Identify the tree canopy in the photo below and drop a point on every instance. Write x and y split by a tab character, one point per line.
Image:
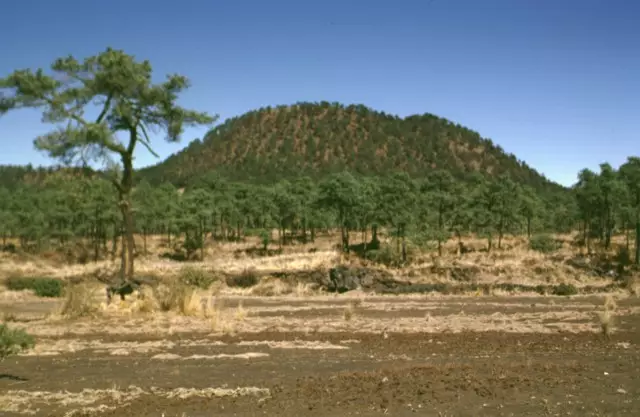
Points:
126	100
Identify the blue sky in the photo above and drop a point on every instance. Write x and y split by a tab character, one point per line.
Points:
556	82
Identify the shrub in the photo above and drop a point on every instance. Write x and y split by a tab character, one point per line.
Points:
543	243
265	238
247	278
13	341
79	301
623	257
192	244
196	277
565	289
42	287
388	255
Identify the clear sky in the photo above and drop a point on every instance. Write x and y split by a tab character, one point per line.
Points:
556	82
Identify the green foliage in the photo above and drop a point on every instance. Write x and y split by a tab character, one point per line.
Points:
128	101
42	287
565	290
13	341
544	243
197	277
265	238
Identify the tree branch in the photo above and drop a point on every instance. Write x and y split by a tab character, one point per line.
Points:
104	111
147	142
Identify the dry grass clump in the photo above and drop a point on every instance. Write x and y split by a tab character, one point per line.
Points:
270	287
240	313
176	296
247	278
197	277
606	317
633	285
350	309
274	287
79	301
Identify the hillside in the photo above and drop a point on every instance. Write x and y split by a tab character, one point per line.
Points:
315	139
12	176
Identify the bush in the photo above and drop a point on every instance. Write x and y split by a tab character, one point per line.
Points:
195	277
13	341
192	244
79	301
247	278
565	289
543	243
623	256
42	287
388	255
265	238
173	296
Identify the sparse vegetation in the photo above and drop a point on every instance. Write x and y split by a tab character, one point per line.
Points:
42	287
197	277
565	289
79	301
174	295
544	243
606	317
247	278
13	341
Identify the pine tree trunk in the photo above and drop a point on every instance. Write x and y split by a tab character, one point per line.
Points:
114	241
638	242
201	241
128	243
404	247
627	236
126	266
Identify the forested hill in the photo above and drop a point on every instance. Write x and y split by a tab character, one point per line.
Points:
316	139
12	176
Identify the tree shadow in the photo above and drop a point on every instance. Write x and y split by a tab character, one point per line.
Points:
12	377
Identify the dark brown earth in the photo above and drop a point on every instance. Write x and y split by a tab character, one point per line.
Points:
465	374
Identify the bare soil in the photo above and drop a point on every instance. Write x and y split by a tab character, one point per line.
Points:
339	373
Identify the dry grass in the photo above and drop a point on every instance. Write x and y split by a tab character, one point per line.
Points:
515	264
606	318
275	287
79	301
349	311
89	400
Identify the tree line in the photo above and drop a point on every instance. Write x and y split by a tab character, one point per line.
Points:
430	210
67	206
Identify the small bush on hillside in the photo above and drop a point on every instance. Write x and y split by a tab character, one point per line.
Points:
247	278
42	287
13	341
565	289
543	243
196	277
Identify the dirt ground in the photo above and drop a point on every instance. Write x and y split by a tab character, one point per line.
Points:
334	356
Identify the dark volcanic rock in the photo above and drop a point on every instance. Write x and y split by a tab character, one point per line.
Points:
343	278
